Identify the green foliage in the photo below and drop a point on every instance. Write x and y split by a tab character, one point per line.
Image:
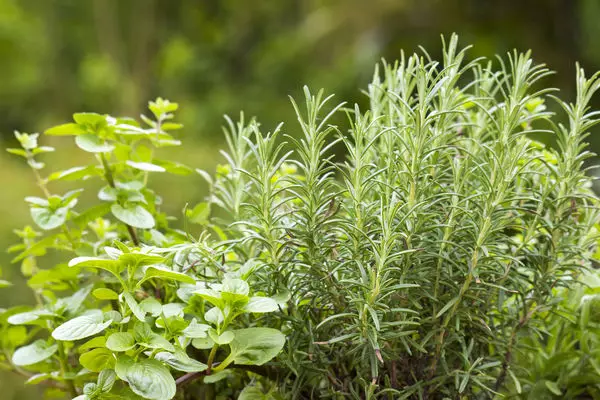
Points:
561	359
428	264
137	305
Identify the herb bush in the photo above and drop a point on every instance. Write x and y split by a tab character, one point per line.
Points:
432	263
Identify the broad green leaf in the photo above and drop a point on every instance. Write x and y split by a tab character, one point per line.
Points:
76	173
155	271
173	167
146	377
133	215
81	327
89	118
90	215
65	129
105	294
48	219
235	286
29	317
218	376
14	336
259	304
120	341
235	292
38	378
255	346
74	302
93	144
214	316
134	306
181	361
145	166
195	330
99	341
211	296
116	316
151	306
113	266
156	341
252	393
139	259
199	214
147	338
142	331
34	353
222	339
106	380
203	343
98	359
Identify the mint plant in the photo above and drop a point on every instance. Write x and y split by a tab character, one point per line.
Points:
428	264
142	293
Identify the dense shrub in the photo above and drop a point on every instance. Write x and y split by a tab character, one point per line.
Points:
430	263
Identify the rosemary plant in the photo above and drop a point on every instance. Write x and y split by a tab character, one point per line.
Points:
431	263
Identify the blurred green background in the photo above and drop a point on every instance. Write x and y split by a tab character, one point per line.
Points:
218	57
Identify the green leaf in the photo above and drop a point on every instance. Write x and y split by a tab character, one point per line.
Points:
218	376
18	152
151	306
113	266
260	304
82	220
222	339
65	129
106	380
214	316
146	377
89	118
133	215
255	346
155	271
145	337
74	302
199	214
173	167
29	317
195	330
120	341
145	166
134	306
105	294
76	173
98	359
81	327
553	387
211	296
4	284
181	361
34	353
48	219
99	341
252	393
203	343
155	341
93	144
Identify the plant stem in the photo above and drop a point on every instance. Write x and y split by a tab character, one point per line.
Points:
211	358
111	182
64	368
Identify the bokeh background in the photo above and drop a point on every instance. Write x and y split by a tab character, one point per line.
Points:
219	57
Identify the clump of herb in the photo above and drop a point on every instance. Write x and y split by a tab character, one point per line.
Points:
425	265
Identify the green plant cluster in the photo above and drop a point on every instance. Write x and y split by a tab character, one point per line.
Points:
434	262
